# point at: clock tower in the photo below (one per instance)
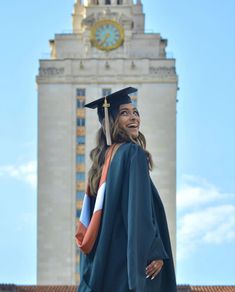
(107, 50)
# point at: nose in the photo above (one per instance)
(133, 116)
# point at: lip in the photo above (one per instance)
(132, 126)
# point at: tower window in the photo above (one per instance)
(80, 122)
(119, 2)
(80, 103)
(106, 91)
(107, 2)
(81, 91)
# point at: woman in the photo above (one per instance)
(122, 232)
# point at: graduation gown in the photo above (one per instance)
(132, 234)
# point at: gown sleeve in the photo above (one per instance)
(144, 242)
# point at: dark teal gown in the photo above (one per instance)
(133, 232)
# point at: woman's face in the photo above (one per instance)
(129, 119)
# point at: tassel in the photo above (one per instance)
(106, 105)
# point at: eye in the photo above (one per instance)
(136, 113)
(124, 113)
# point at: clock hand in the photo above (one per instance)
(105, 38)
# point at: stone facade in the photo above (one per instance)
(75, 65)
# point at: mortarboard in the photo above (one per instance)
(110, 105)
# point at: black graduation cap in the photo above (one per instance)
(114, 100)
(110, 105)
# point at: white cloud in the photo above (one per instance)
(196, 192)
(206, 216)
(26, 172)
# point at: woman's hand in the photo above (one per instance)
(154, 268)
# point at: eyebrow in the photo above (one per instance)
(125, 108)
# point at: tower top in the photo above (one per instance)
(114, 28)
(106, 2)
(87, 12)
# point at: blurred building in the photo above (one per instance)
(107, 50)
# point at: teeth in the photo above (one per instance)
(132, 126)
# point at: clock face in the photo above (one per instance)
(107, 35)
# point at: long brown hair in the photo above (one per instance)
(97, 155)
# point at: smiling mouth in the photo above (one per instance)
(133, 126)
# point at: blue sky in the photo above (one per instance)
(201, 36)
